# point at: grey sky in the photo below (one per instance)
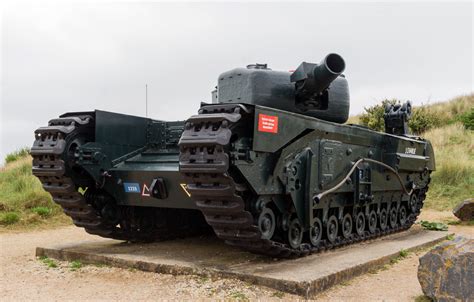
(76, 57)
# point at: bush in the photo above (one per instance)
(373, 116)
(422, 119)
(467, 119)
(14, 156)
(9, 218)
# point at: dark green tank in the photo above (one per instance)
(269, 165)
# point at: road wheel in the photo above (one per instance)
(372, 222)
(316, 232)
(360, 224)
(392, 219)
(295, 233)
(402, 215)
(347, 226)
(383, 219)
(266, 223)
(332, 229)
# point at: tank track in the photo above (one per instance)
(205, 161)
(53, 166)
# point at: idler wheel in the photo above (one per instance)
(360, 224)
(402, 215)
(413, 203)
(316, 232)
(72, 149)
(347, 226)
(383, 219)
(392, 219)
(372, 222)
(295, 233)
(332, 228)
(266, 223)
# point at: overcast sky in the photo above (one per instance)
(76, 57)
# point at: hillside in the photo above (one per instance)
(453, 180)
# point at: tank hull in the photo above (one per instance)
(286, 185)
(266, 180)
(116, 176)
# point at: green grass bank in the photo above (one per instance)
(23, 202)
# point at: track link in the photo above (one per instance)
(52, 165)
(205, 162)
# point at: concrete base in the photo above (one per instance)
(210, 257)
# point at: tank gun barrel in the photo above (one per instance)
(328, 70)
(312, 80)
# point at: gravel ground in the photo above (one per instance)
(23, 277)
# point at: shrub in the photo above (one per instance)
(373, 116)
(9, 218)
(467, 119)
(422, 119)
(14, 156)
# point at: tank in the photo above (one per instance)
(269, 166)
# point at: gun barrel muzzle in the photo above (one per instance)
(328, 70)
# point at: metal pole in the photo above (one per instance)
(146, 100)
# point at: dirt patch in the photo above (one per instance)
(23, 277)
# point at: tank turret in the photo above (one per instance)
(317, 90)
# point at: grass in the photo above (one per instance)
(401, 255)
(404, 253)
(453, 180)
(239, 296)
(450, 237)
(450, 112)
(23, 202)
(75, 265)
(9, 218)
(16, 155)
(42, 211)
(48, 262)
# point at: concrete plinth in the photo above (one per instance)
(211, 257)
